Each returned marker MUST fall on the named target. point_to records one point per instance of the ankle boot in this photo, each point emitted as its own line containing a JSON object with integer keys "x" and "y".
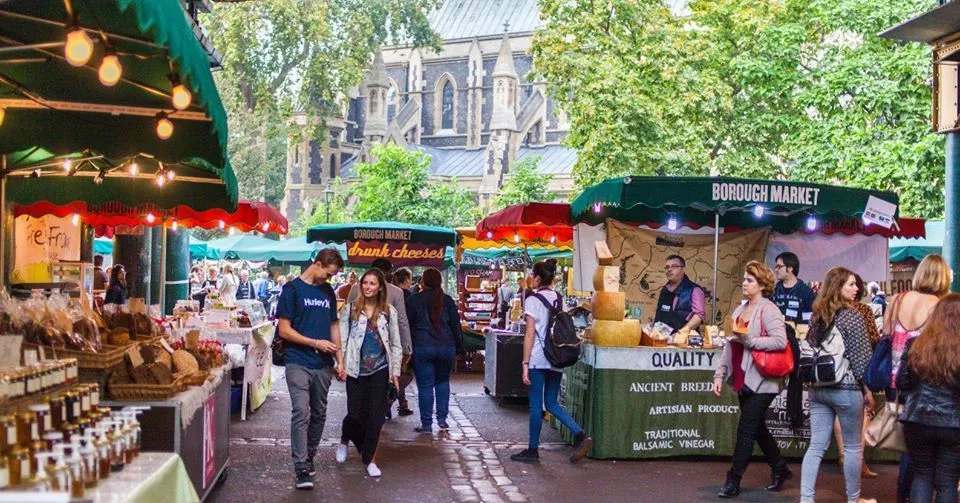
{"x": 731, "y": 488}
{"x": 779, "y": 475}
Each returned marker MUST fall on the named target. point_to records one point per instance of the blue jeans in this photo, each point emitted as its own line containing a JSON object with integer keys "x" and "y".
{"x": 825, "y": 405}
{"x": 544, "y": 388}
{"x": 432, "y": 366}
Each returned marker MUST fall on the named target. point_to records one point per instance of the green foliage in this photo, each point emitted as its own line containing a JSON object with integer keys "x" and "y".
{"x": 395, "y": 187}
{"x": 524, "y": 185}
{"x": 789, "y": 89}
{"x": 286, "y": 55}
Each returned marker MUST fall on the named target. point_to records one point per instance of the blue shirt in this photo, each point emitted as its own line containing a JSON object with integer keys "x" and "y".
{"x": 795, "y": 303}
{"x": 311, "y": 309}
{"x": 372, "y": 356}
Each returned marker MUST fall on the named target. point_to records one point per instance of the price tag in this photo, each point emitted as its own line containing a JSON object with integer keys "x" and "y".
{"x": 879, "y": 212}
{"x": 30, "y": 357}
{"x": 133, "y": 354}
{"x": 10, "y": 351}
{"x": 166, "y": 346}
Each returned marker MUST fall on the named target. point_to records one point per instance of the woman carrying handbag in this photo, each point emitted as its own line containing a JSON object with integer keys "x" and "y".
{"x": 758, "y": 326}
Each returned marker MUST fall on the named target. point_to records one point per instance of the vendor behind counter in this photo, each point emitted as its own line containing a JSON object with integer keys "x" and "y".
{"x": 682, "y": 303}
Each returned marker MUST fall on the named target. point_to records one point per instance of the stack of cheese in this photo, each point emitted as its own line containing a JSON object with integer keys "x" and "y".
{"x": 610, "y": 304}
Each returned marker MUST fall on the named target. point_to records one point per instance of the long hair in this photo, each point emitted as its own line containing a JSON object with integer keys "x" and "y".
{"x": 115, "y": 276}
{"x": 935, "y": 354}
{"x": 828, "y": 302}
{"x": 380, "y": 300}
{"x": 434, "y": 293}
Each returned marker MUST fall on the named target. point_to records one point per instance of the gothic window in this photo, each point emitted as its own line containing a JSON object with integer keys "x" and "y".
{"x": 333, "y": 166}
{"x": 393, "y": 100}
{"x": 447, "y": 106}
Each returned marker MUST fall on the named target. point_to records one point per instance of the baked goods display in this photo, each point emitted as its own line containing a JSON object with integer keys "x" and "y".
{"x": 55, "y": 321}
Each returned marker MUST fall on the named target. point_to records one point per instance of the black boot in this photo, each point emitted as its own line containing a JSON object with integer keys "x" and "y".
{"x": 731, "y": 488}
{"x": 778, "y": 477}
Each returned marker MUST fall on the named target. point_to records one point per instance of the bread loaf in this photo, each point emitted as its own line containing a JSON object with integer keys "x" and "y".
{"x": 609, "y": 306}
{"x": 118, "y": 337}
{"x": 184, "y": 362}
{"x": 624, "y": 333}
{"x": 606, "y": 279}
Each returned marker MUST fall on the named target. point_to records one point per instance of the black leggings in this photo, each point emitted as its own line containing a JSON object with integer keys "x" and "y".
{"x": 366, "y": 411}
{"x": 935, "y": 461}
{"x": 753, "y": 428}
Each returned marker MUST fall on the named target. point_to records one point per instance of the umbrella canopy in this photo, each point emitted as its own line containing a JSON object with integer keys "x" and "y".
{"x": 63, "y": 112}
{"x": 239, "y": 247}
{"x": 902, "y": 249}
{"x": 104, "y": 246}
{"x": 383, "y": 231}
{"x": 531, "y": 222}
{"x": 742, "y": 203}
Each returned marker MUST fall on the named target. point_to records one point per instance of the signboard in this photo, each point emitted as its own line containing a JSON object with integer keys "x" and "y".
{"x": 209, "y": 439}
{"x": 765, "y": 192}
{"x": 42, "y": 241}
{"x": 879, "y": 212}
{"x": 398, "y": 253}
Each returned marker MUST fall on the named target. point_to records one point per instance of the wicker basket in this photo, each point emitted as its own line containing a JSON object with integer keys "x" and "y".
{"x": 195, "y": 379}
{"x": 108, "y": 356}
{"x": 145, "y": 392}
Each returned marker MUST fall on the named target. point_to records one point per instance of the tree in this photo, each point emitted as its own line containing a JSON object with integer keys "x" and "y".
{"x": 525, "y": 185}
{"x": 286, "y": 55}
{"x": 338, "y": 207}
{"x": 786, "y": 89}
{"x": 395, "y": 187}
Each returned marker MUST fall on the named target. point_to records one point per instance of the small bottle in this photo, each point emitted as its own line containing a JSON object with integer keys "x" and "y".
{"x": 88, "y": 455}
{"x": 117, "y": 447}
{"x": 41, "y": 481}
{"x": 8, "y": 434}
{"x": 102, "y": 445}
{"x": 58, "y": 411}
{"x": 58, "y": 472}
{"x": 72, "y": 401}
{"x": 44, "y": 421}
{"x": 83, "y": 391}
{"x": 27, "y": 428}
{"x": 52, "y": 439}
{"x": 4, "y": 473}
{"x": 69, "y": 431}
{"x": 35, "y": 448}
{"x": 19, "y": 463}
{"x": 75, "y": 467}
{"x": 82, "y": 426}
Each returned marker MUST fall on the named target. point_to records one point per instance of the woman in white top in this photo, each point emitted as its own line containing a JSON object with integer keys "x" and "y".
{"x": 543, "y": 379}
{"x": 228, "y": 286}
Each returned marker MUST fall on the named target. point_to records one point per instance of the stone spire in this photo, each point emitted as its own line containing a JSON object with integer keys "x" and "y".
{"x": 375, "y": 127}
{"x": 505, "y": 85}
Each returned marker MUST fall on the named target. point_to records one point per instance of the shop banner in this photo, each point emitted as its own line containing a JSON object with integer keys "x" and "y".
{"x": 256, "y": 368}
{"x": 818, "y": 253}
{"x": 398, "y": 253}
{"x": 41, "y": 241}
{"x": 641, "y": 255}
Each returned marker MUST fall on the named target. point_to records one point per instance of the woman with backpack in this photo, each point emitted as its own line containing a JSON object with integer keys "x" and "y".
{"x": 836, "y": 329}
{"x": 905, "y": 318}
{"x": 929, "y": 384}
{"x": 538, "y": 373}
{"x": 370, "y": 365}
{"x": 437, "y": 339}
{"x": 758, "y": 325}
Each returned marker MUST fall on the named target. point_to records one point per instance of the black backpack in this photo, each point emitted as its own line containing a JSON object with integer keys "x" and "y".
{"x": 561, "y": 345}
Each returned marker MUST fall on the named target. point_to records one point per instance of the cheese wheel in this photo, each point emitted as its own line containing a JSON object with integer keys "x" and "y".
{"x": 610, "y": 306}
{"x": 624, "y": 333}
{"x": 606, "y": 279}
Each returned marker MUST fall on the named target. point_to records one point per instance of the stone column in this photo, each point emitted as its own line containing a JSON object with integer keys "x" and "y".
{"x": 134, "y": 253}
{"x": 178, "y": 268}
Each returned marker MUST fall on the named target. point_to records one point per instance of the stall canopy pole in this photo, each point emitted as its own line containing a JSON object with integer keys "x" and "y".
{"x": 716, "y": 258}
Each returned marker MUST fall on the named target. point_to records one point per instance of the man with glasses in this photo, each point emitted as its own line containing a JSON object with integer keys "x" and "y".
{"x": 682, "y": 303}
{"x": 791, "y": 294}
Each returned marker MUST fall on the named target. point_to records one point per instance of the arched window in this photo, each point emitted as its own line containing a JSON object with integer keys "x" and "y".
{"x": 446, "y": 108}
{"x": 393, "y": 100}
{"x": 333, "y": 166}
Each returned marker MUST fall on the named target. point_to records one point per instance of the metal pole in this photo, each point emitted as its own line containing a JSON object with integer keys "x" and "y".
{"x": 951, "y": 210}
{"x": 3, "y": 220}
{"x": 163, "y": 270}
{"x": 328, "y": 210}
{"x": 716, "y": 259}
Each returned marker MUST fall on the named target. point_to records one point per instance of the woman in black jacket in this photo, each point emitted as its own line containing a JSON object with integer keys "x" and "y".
{"x": 437, "y": 339}
{"x": 929, "y": 387}
{"x": 117, "y": 288}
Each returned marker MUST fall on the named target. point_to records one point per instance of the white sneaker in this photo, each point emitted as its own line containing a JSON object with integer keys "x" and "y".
{"x": 341, "y": 453}
{"x": 373, "y": 471}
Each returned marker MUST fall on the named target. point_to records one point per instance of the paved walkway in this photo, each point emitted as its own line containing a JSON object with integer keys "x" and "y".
{"x": 471, "y": 462}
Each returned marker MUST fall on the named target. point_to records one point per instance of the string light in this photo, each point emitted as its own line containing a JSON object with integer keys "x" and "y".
{"x": 516, "y": 238}
{"x": 232, "y": 231}
{"x": 758, "y": 211}
{"x": 67, "y": 165}
{"x": 110, "y": 69}
{"x": 180, "y": 95}
{"x": 151, "y": 218}
{"x": 672, "y": 223}
{"x": 134, "y": 169}
{"x": 489, "y": 234}
{"x": 221, "y": 224}
{"x": 266, "y": 226}
{"x": 79, "y": 47}
{"x": 174, "y": 225}
{"x": 75, "y": 219}
{"x": 164, "y": 126}
{"x": 160, "y": 179}
{"x": 597, "y": 208}
{"x": 171, "y": 175}
{"x": 811, "y": 223}
{"x": 553, "y": 239}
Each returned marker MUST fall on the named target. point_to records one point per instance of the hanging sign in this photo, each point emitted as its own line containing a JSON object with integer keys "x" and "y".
{"x": 879, "y": 212}
{"x": 41, "y": 241}
{"x": 398, "y": 253}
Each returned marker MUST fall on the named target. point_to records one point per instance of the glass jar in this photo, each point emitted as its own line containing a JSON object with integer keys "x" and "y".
{"x": 88, "y": 456}
{"x": 34, "y": 380}
{"x": 58, "y": 411}
{"x": 69, "y": 431}
{"x": 27, "y": 428}
{"x": 83, "y": 392}
{"x": 6, "y": 386}
{"x": 94, "y": 395}
{"x": 72, "y": 402}
{"x": 44, "y": 421}
{"x": 18, "y": 383}
{"x": 19, "y": 463}
{"x": 36, "y": 448}
{"x": 70, "y": 371}
{"x": 43, "y": 372}
{"x": 4, "y": 473}
{"x": 102, "y": 445}
{"x": 8, "y": 434}
{"x": 52, "y": 439}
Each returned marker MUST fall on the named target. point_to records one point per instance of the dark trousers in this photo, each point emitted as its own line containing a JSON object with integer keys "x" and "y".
{"x": 432, "y": 366}
{"x": 904, "y": 479}
{"x": 366, "y": 408}
{"x": 753, "y": 428}
{"x": 935, "y": 460}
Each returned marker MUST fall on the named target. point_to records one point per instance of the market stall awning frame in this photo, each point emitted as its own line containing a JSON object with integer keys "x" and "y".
{"x": 528, "y": 223}
{"x": 732, "y": 202}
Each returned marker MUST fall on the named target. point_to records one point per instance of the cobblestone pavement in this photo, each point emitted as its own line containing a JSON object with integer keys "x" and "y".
{"x": 471, "y": 462}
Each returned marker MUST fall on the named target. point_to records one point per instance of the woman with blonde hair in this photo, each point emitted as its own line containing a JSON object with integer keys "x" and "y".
{"x": 370, "y": 364}
{"x": 759, "y": 325}
{"x": 835, "y": 315}
{"x": 929, "y": 382}
{"x": 905, "y": 319}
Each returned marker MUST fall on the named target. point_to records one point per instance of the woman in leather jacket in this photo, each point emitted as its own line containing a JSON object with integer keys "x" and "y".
{"x": 929, "y": 386}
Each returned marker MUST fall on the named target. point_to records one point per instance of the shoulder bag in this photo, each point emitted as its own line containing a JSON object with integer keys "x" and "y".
{"x": 772, "y": 364}
{"x": 885, "y": 430}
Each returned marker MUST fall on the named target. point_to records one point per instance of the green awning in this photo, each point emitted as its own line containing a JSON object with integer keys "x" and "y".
{"x": 104, "y": 246}
{"x": 383, "y": 231}
{"x": 786, "y": 206}
{"x": 153, "y": 38}
{"x": 902, "y": 249}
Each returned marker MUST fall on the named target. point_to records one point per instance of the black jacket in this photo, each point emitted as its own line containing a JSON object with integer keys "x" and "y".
{"x": 926, "y": 403}
{"x": 422, "y": 330}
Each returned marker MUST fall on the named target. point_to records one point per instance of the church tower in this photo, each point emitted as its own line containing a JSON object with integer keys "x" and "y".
{"x": 502, "y": 148}
{"x": 376, "y": 86}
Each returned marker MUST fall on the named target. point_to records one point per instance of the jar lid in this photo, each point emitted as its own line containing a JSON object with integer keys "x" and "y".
{"x": 40, "y": 407}
{"x": 53, "y": 435}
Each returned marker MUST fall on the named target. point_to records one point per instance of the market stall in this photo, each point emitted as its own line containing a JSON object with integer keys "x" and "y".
{"x": 906, "y": 254}
{"x": 401, "y": 243}
{"x": 626, "y": 228}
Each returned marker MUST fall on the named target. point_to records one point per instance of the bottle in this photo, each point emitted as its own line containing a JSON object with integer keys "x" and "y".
{"x": 27, "y": 428}
{"x": 19, "y": 463}
{"x": 75, "y": 466}
{"x": 117, "y": 447}
{"x": 4, "y": 473}
{"x": 44, "y": 421}
{"x": 52, "y": 439}
{"x": 94, "y": 395}
{"x": 133, "y": 443}
{"x": 88, "y": 455}
{"x": 72, "y": 401}
{"x": 58, "y": 411}
{"x": 57, "y": 472}
{"x": 69, "y": 431}
{"x": 41, "y": 481}
{"x": 102, "y": 445}
{"x": 36, "y": 447}
{"x": 8, "y": 434}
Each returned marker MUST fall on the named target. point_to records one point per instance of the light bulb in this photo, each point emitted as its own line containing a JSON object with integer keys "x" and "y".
{"x": 553, "y": 239}
{"x": 181, "y": 97}
{"x": 164, "y": 126}
{"x": 79, "y": 47}
{"x": 516, "y": 238}
{"x": 134, "y": 169}
{"x": 758, "y": 211}
{"x": 151, "y": 218}
{"x": 174, "y": 225}
{"x": 596, "y": 208}
{"x": 170, "y": 175}
{"x": 672, "y": 224}
{"x": 221, "y": 224}
{"x": 489, "y": 234}
{"x": 161, "y": 179}
{"x": 266, "y": 227}
{"x": 811, "y": 224}
{"x": 67, "y": 165}
{"x": 110, "y": 70}
{"x": 232, "y": 231}
{"x": 3, "y": 111}
{"x": 75, "y": 219}
{"x": 36, "y": 173}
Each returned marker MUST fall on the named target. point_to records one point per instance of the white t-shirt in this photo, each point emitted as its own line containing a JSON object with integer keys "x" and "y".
{"x": 534, "y": 308}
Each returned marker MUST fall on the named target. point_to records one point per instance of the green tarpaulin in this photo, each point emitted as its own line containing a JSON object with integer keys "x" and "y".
{"x": 903, "y": 249}
{"x": 104, "y": 246}
{"x": 786, "y": 206}
{"x": 383, "y": 231}
{"x": 152, "y": 38}
{"x": 261, "y": 249}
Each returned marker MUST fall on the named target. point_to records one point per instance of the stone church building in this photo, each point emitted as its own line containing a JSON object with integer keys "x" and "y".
{"x": 472, "y": 107}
